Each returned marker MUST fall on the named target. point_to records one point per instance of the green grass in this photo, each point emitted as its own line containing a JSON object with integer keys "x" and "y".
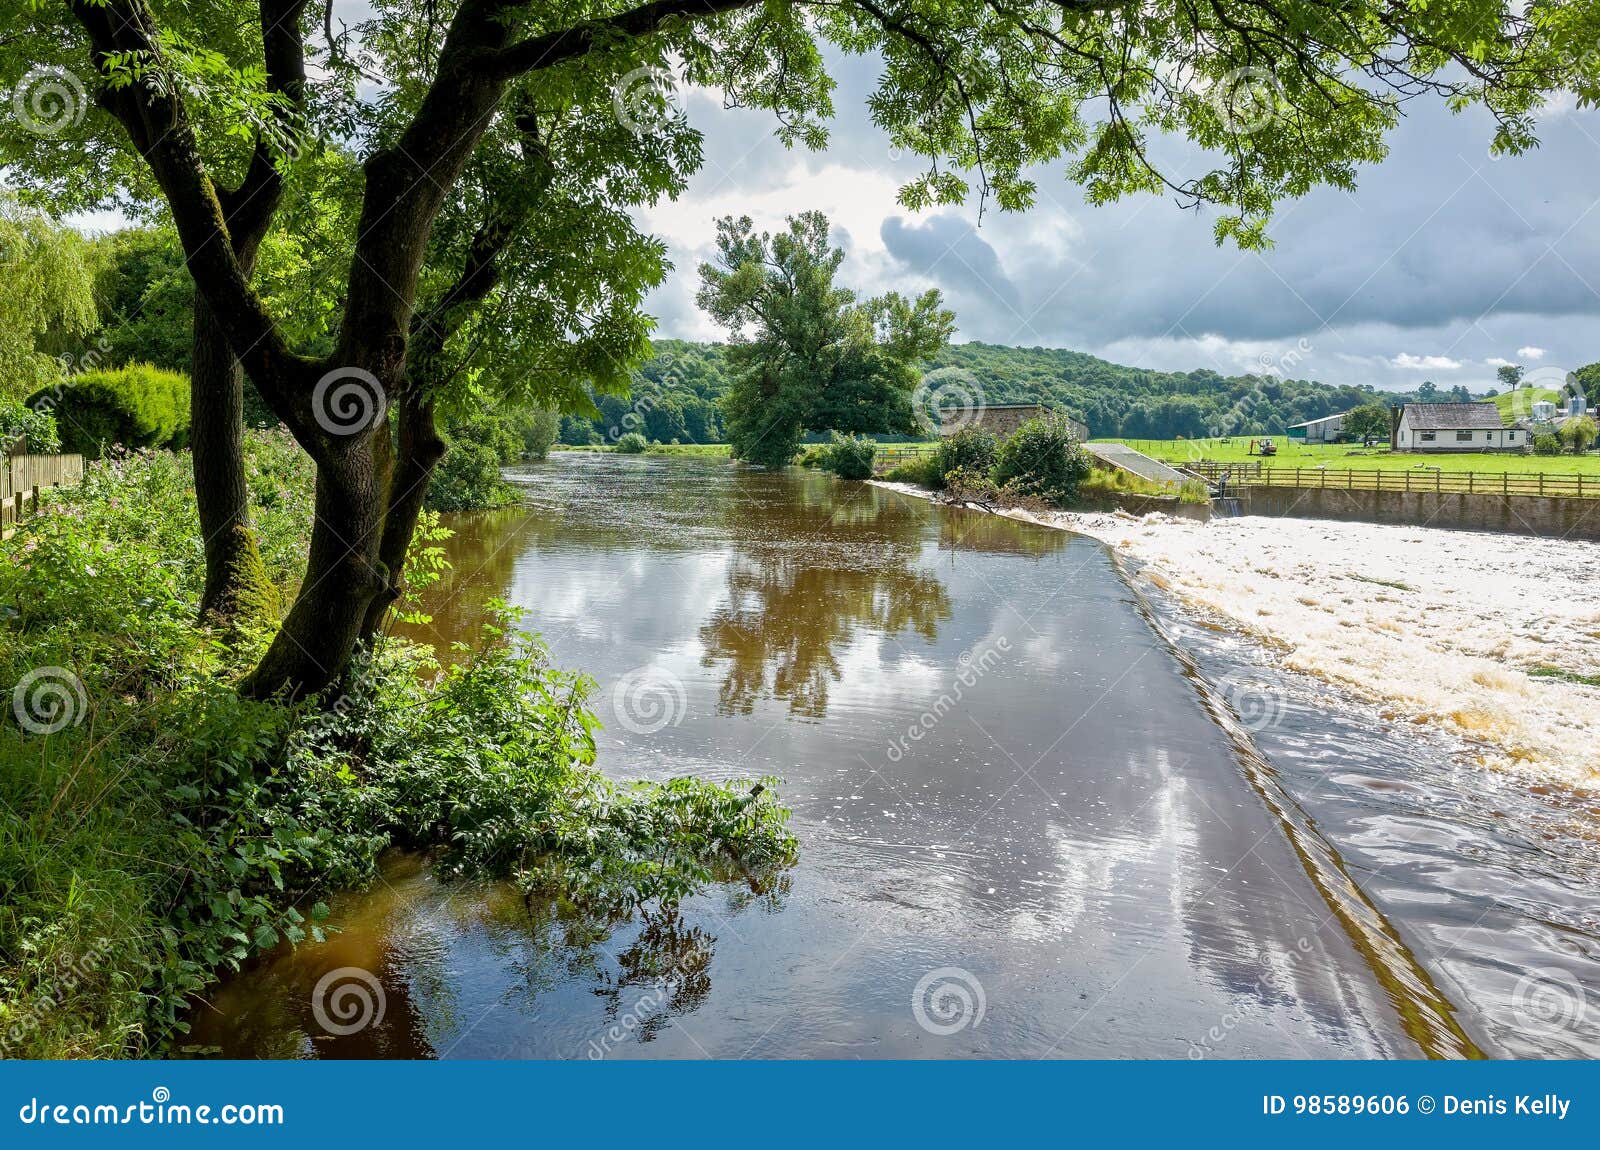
{"x": 1350, "y": 456}
{"x": 1525, "y": 398}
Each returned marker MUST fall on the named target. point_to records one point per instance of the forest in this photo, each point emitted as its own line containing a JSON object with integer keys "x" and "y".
{"x": 676, "y": 392}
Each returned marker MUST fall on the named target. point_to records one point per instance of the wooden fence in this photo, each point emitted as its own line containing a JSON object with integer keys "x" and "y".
{"x": 890, "y": 454}
{"x": 23, "y": 476}
{"x": 1409, "y": 479}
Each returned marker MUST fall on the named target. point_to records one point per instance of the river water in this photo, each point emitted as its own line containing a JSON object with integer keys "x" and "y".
{"x": 1042, "y": 812}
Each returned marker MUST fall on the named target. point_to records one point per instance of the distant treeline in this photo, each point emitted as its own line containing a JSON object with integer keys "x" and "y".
{"x": 676, "y": 392}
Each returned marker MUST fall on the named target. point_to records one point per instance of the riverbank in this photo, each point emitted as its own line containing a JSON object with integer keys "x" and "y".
{"x": 1490, "y": 637}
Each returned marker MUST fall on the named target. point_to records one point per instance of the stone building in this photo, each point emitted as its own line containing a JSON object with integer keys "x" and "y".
{"x": 1002, "y": 418}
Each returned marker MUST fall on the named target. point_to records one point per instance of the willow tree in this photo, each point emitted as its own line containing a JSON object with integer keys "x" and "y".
{"x": 1285, "y": 94}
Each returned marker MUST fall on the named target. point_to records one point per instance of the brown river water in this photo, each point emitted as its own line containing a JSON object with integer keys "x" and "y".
{"x": 1043, "y": 812}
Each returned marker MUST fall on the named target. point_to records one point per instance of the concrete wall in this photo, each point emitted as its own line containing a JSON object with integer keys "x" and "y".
{"x": 1553, "y": 516}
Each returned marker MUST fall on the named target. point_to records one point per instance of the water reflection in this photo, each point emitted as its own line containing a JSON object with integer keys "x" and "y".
{"x": 1066, "y": 823}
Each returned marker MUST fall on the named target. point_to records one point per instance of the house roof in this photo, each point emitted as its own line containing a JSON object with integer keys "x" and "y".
{"x": 1453, "y": 416}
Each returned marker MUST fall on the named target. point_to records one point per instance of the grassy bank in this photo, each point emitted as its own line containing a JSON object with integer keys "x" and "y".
{"x": 157, "y": 830}
{"x": 1350, "y": 456}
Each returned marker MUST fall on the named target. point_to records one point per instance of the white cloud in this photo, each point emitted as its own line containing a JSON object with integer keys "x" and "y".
{"x": 1496, "y": 361}
{"x": 1531, "y": 352}
{"x": 1425, "y": 362}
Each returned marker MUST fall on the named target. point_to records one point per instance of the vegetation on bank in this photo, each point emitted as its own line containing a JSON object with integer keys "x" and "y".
{"x": 156, "y": 828}
{"x": 1041, "y": 464}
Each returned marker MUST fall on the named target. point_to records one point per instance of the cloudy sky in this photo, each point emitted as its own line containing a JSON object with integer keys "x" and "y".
{"x": 1443, "y": 264}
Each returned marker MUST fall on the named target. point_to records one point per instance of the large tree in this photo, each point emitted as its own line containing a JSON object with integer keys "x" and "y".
{"x": 806, "y": 356}
{"x": 215, "y": 101}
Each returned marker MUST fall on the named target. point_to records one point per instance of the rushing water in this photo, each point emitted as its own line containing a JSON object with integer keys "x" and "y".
{"x": 1039, "y": 814}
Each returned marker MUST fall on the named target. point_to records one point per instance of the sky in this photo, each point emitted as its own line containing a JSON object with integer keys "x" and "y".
{"x": 1445, "y": 262}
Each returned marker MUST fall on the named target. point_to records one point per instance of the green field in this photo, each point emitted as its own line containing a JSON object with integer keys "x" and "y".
{"x": 1349, "y": 456}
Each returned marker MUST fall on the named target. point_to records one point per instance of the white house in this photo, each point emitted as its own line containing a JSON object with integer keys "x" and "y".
{"x": 1453, "y": 427}
{"x": 1324, "y": 430}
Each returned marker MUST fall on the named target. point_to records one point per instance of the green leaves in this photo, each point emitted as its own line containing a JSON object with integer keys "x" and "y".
{"x": 813, "y": 359}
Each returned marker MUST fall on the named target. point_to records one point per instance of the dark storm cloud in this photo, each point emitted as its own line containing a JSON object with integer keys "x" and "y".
{"x": 1441, "y": 254}
{"x": 946, "y": 248}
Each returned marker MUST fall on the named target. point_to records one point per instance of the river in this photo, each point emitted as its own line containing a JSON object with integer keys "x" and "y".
{"x": 1035, "y": 820}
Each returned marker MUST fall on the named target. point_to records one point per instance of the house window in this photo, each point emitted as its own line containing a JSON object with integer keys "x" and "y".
{"x": 1427, "y": 437}
{"x": 1464, "y": 437}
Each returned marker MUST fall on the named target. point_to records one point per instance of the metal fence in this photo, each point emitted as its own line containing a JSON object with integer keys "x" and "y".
{"x": 1409, "y": 479}
{"x": 23, "y": 476}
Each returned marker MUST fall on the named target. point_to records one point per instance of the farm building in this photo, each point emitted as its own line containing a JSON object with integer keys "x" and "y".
{"x": 1324, "y": 430}
{"x": 1002, "y": 418}
{"x": 1453, "y": 427}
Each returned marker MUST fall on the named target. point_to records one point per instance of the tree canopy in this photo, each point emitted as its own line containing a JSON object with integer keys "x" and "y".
{"x": 216, "y": 112}
{"x": 806, "y": 356}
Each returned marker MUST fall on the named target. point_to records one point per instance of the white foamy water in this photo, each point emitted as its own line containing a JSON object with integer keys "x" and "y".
{"x": 1439, "y": 627}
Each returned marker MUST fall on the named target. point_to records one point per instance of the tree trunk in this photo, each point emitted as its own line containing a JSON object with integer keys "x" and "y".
{"x": 237, "y": 588}
{"x": 420, "y": 450}
{"x": 343, "y": 576}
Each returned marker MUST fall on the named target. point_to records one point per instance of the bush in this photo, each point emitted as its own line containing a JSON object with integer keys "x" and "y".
{"x": 922, "y": 470}
{"x": 850, "y": 457}
{"x": 1579, "y": 433}
{"x": 1043, "y": 459}
{"x": 539, "y": 429}
{"x": 971, "y": 448}
{"x": 170, "y": 830}
{"x": 468, "y": 479}
{"x": 1547, "y": 444}
{"x": 27, "y": 429}
{"x": 633, "y": 444}
{"x": 134, "y": 406}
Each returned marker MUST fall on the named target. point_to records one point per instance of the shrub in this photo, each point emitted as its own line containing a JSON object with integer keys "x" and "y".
{"x": 468, "y": 479}
{"x": 1043, "y": 459}
{"x": 973, "y": 448}
{"x": 23, "y": 428}
{"x": 922, "y": 470}
{"x": 850, "y": 457}
{"x": 135, "y": 406}
{"x": 633, "y": 444}
{"x": 1578, "y": 433}
{"x": 1547, "y": 444}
